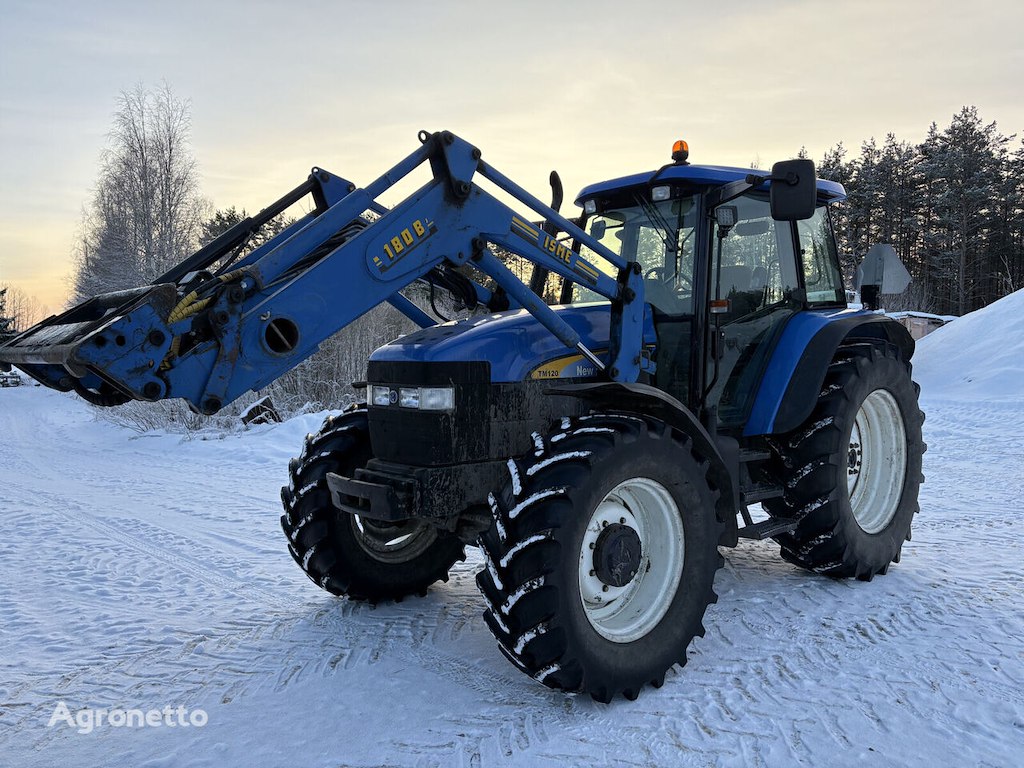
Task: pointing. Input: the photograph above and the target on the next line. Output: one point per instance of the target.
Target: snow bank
(977, 357)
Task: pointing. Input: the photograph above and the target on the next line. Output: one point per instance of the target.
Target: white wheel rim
(393, 543)
(627, 613)
(877, 461)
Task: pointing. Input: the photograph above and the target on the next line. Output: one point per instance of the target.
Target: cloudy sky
(595, 89)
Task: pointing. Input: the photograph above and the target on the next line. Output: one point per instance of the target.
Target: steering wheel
(660, 274)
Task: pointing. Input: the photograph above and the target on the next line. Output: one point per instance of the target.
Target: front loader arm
(209, 335)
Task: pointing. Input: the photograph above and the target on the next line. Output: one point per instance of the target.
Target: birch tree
(146, 212)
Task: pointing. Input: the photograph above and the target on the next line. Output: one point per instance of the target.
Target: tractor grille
(490, 421)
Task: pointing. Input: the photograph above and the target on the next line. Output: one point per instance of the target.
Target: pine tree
(1006, 227)
(868, 197)
(224, 219)
(965, 165)
(952, 206)
(835, 167)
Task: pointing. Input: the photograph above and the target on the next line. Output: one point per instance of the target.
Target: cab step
(756, 493)
(766, 529)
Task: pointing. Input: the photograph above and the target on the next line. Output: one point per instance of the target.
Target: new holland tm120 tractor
(702, 359)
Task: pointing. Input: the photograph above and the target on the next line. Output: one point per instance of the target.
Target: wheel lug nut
(593, 572)
(604, 588)
(622, 520)
(592, 545)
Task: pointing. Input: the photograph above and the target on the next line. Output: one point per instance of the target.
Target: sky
(593, 89)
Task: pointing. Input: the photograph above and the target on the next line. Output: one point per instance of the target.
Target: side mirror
(794, 190)
(598, 228)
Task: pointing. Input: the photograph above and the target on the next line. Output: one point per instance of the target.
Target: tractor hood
(515, 345)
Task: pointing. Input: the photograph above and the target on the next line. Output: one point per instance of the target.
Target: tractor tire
(601, 560)
(852, 471)
(342, 553)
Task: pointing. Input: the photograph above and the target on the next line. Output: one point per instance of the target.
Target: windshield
(661, 237)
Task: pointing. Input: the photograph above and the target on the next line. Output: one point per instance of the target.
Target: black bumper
(440, 495)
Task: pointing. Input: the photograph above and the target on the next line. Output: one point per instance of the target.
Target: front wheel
(602, 556)
(343, 553)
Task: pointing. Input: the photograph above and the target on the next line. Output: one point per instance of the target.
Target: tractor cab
(728, 257)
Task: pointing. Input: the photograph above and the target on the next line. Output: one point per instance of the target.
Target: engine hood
(515, 345)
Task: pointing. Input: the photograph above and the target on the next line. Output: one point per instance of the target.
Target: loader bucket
(84, 348)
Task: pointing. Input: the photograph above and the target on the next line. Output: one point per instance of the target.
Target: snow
(923, 315)
(979, 356)
(141, 572)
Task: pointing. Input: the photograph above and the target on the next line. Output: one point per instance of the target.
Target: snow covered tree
(1006, 229)
(952, 206)
(835, 167)
(19, 309)
(963, 164)
(146, 213)
(6, 321)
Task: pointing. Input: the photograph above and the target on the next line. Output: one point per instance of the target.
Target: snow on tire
(602, 557)
(852, 472)
(342, 553)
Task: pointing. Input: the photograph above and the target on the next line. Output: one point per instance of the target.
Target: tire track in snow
(75, 514)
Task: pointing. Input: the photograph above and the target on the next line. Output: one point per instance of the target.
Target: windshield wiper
(660, 223)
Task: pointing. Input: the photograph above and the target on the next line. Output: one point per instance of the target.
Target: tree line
(18, 310)
(952, 205)
(147, 215)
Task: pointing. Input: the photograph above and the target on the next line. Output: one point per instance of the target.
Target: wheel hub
(877, 461)
(631, 560)
(853, 459)
(617, 555)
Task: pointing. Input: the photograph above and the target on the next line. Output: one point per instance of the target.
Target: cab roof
(713, 175)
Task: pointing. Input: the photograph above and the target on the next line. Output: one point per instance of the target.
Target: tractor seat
(735, 279)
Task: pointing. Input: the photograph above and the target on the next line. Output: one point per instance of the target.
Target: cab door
(753, 290)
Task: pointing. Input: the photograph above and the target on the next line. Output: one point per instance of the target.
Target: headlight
(437, 398)
(380, 395)
(421, 398)
(409, 397)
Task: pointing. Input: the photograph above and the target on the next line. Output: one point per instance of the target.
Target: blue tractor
(700, 359)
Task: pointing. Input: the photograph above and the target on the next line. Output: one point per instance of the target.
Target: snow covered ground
(150, 572)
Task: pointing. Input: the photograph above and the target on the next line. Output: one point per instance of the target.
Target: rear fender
(645, 400)
(789, 389)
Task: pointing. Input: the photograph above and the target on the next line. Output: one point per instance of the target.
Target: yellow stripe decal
(516, 220)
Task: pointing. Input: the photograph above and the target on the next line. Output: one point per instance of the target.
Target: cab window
(820, 261)
(756, 268)
(658, 235)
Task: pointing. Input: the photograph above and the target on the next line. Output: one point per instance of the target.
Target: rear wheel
(343, 553)
(852, 472)
(602, 556)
